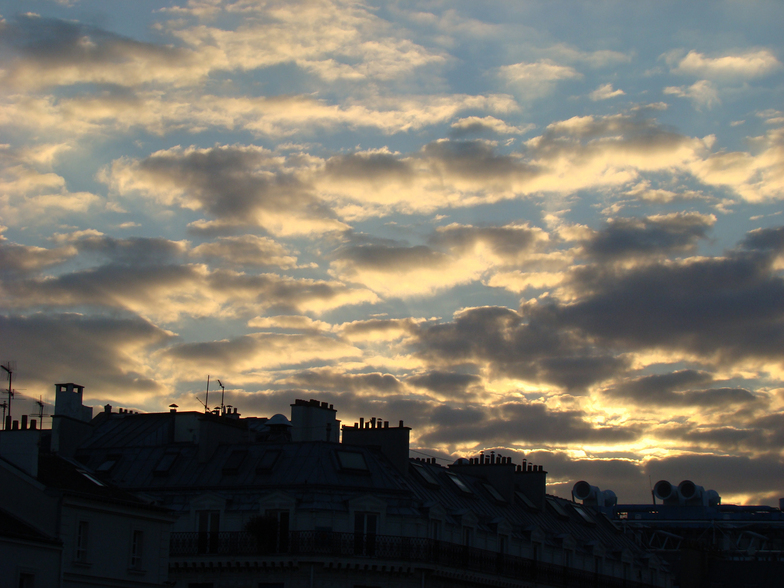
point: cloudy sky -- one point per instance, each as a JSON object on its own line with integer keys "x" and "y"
{"x": 549, "y": 229}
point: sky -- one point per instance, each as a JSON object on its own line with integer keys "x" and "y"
{"x": 551, "y": 230}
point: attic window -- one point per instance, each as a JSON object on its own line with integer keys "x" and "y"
{"x": 234, "y": 461}
{"x": 350, "y": 460}
{"x": 559, "y": 510}
{"x": 108, "y": 464}
{"x": 425, "y": 475}
{"x": 165, "y": 464}
{"x": 457, "y": 481}
{"x": 525, "y": 501}
{"x": 587, "y": 519}
{"x": 494, "y": 493}
{"x": 267, "y": 461}
{"x": 92, "y": 478}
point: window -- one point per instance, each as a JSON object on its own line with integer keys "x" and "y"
{"x": 457, "y": 481}
{"x": 82, "y": 541}
{"x": 267, "y": 462}
{"x": 494, "y": 493}
{"x": 209, "y": 527}
{"x": 234, "y": 461}
{"x": 165, "y": 464}
{"x": 350, "y": 460}
{"x": 26, "y": 580}
{"x": 468, "y": 536}
{"x": 365, "y": 527}
{"x": 137, "y": 549}
{"x": 435, "y": 529}
{"x": 503, "y": 541}
{"x": 425, "y": 475}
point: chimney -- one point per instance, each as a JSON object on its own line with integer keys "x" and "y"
{"x": 312, "y": 420}
{"x": 532, "y": 482}
{"x": 391, "y": 441}
{"x": 498, "y": 472}
{"x": 71, "y": 420}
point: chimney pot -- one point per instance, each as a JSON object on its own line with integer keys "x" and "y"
{"x": 386, "y": 424}
{"x": 15, "y": 426}
{"x": 24, "y": 422}
{"x": 361, "y": 422}
{"x": 401, "y": 424}
{"x": 33, "y": 424}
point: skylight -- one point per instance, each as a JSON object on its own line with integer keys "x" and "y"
{"x": 267, "y": 461}
{"x": 494, "y": 493}
{"x": 165, "y": 464}
{"x": 425, "y": 474}
{"x": 457, "y": 481}
{"x": 350, "y": 460}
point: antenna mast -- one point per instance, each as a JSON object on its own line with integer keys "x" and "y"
{"x": 10, "y": 369}
{"x": 223, "y": 391}
{"x": 207, "y": 400}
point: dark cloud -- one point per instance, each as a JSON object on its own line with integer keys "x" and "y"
{"x": 452, "y": 384}
{"x": 520, "y": 423}
{"x": 368, "y": 167}
{"x": 508, "y": 241}
{"x": 328, "y": 380}
{"x": 389, "y": 258}
{"x": 242, "y": 186}
{"x": 676, "y": 389}
{"x": 770, "y": 240}
{"x": 761, "y": 477}
{"x": 131, "y": 251}
{"x": 628, "y": 237}
{"x": 728, "y": 308}
{"x": 49, "y": 45}
{"x": 476, "y": 160}
{"x": 105, "y": 354}
{"x": 16, "y": 260}
{"x": 248, "y": 251}
{"x": 499, "y": 338}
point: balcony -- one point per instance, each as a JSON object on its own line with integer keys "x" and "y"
{"x": 409, "y": 550}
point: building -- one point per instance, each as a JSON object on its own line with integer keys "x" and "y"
{"x": 281, "y": 502}
{"x": 706, "y": 543}
{"x": 63, "y": 526}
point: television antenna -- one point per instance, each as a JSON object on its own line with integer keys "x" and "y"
{"x": 223, "y": 391}
{"x": 10, "y": 367}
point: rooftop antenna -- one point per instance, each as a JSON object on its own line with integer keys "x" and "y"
{"x": 223, "y": 391}
{"x": 40, "y": 413}
{"x": 207, "y": 400}
{"x": 9, "y": 367}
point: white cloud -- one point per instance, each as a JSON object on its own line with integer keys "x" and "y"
{"x": 741, "y": 66}
{"x": 701, "y": 93}
{"x": 604, "y": 92}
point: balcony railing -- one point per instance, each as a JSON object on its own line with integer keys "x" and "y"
{"x": 402, "y": 549}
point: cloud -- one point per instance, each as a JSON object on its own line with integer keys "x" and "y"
{"x": 457, "y": 254}
{"x": 110, "y": 356}
{"x": 25, "y": 259}
{"x": 701, "y": 93}
{"x": 246, "y": 250}
{"x": 724, "y": 309}
{"x": 240, "y": 186}
{"x": 604, "y": 92}
{"x": 29, "y": 194}
{"x": 676, "y": 389}
{"x": 537, "y": 78}
{"x": 740, "y": 66}
{"x": 167, "y": 292}
{"x": 51, "y": 52}
{"x": 500, "y": 342}
{"x": 256, "y": 352}
{"x": 652, "y": 236}
{"x": 521, "y": 424}
{"x": 487, "y": 124}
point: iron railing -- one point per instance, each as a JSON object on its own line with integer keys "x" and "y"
{"x": 387, "y": 547}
